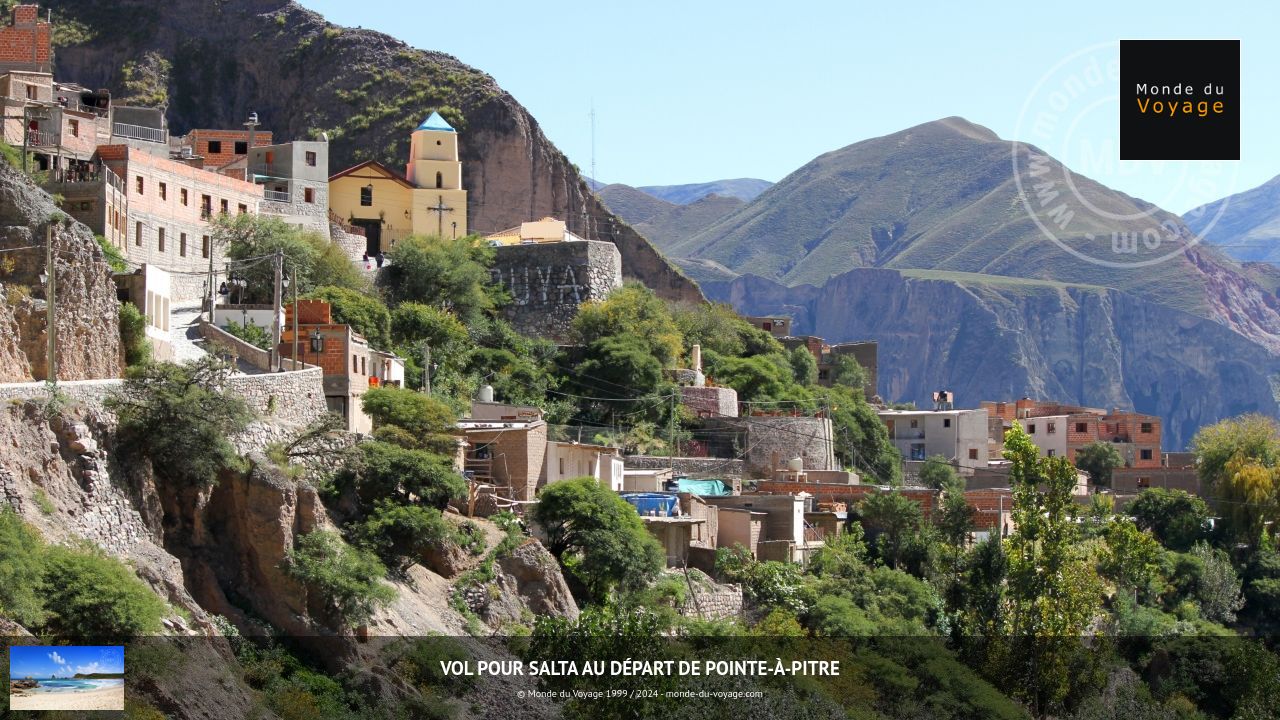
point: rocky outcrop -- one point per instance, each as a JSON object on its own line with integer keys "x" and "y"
{"x": 990, "y": 338}
{"x": 366, "y": 90}
{"x": 529, "y": 580}
{"x": 87, "y": 312}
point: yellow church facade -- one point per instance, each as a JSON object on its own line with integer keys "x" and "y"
{"x": 427, "y": 199}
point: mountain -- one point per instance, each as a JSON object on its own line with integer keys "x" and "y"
{"x": 989, "y": 338}
{"x": 214, "y": 63}
{"x": 744, "y": 189}
{"x": 943, "y": 196}
{"x": 1245, "y": 226}
{"x": 662, "y": 222}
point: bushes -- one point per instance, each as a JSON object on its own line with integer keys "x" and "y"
{"x": 72, "y": 591}
{"x": 92, "y": 595}
{"x": 133, "y": 335}
{"x": 391, "y": 471}
{"x": 365, "y": 314}
{"x": 351, "y": 578}
{"x": 180, "y": 412}
{"x": 422, "y": 416}
{"x": 395, "y": 532}
{"x": 254, "y": 334}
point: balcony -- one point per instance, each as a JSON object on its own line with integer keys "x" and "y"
{"x": 40, "y": 139}
{"x": 137, "y": 132}
{"x": 275, "y": 196}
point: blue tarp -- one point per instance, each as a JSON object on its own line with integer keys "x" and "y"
{"x": 706, "y": 488}
{"x": 659, "y": 504}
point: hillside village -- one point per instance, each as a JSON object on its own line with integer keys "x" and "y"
{"x": 349, "y": 368}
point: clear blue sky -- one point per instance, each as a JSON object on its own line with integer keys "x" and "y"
{"x": 756, "y": 89}
{"x": 41, "y": 661}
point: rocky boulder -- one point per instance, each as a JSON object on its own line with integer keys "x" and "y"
{"x": 527, "y": 582}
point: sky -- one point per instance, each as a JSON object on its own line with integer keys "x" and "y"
{"x": 697, "y": 91}
{"x": 40, "y": 661}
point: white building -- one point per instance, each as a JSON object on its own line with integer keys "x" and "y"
{"x": 958, "y": 435}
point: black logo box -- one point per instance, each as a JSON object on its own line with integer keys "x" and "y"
{"x": 1180, "y": 65}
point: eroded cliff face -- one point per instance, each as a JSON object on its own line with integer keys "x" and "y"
{"x": 1002, "y": 340}
{"x": 366, "y": 90}
{"x": 88, "y": 320}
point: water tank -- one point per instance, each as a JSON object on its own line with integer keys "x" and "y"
{"x": 795, "y": 464}
{"x": 485, "y": 394}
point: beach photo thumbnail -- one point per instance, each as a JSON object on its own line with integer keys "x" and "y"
{"x": 66, "y": 677}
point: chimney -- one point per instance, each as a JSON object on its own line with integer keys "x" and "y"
{"x": 696, "y": 358}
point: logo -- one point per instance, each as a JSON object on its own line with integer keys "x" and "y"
{"x": 1180, "y": 99}
{"x": 1069, "y": 147}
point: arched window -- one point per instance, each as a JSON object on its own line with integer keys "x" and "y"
{"x": 439, "y": 180}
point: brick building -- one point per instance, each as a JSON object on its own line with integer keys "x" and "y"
{"x": 507, "y": 448}
{"x": 219, "y": 148}
{"x": 295, "y": 181}
{"x": 169, "y": 208}
{"x": 25, "y": 41}
{"x": 1061, "y": 430}
{"x": 343, "y": 354}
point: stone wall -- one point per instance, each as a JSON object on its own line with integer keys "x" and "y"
{"x": 694, "y": 467}
{"x": 548, "y": 282}
{"x": 288, "y": 398}
{"x": 811, "y": 438}
{"x": 710, "y": 401}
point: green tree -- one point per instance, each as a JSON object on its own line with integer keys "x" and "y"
{"x": 718, "y": 327}
{"x": 91, "y": 595}
{"x": 1098, "y": 460}
{"x": 133, "y": 335}
{"x": 424, "y": 417}
{"x": 349, "y": 578}
{"x": 309, "y": 257}
{"x": 1132, "y": 557}
{"x": 937, "y": 473}
{"x": 399, "y": 532}
{"x": 447, "y": 274}
{"x": 1177, "y": 518}
{"x": 1217, "y": 586}
{"x": 1237, "y": 461}
{"x": 597, "y": 536}
{"x": 1053, "y": 590}
{"x": 363, "y": 312}
{"x": 405, "y": 475}
{"x": 167, "y": 411}
{"x": 758, "y": 378}
{"x": 847, "y": 372}
{"x": 897, "y": 534}
{"x": 804, "y": 367}
{"x": 955, "y": 517}
{"x": 861, "y": 438}
{"x": 632, "y": 310}
{"x": 21, "y": 571}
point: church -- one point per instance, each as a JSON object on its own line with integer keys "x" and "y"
{"x": 427, "y": 199}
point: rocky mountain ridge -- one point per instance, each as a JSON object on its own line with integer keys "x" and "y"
{"x": 990, "y": 338}
{"x": 1245, "y": 225}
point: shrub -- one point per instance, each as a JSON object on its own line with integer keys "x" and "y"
{"x": 396, "y": 532}
{"x": 390, "y": 471}
{"x": 133, "y": 335}
{"x": 172, "y": 412}
{"x": 252, "y": 333}
{"x": 21, "y": 571}
{"x": 350, "y": 577}
{"x": 364, "y": 313}
{"x": 420, "y": 415}
{"x": 91, "y": 595}
{"x": 112, "y": 254}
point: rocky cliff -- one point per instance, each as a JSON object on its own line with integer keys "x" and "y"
{"x": 213, "y": 63}
{"x": 991, "y": 338}
{"x": 87, "y": 312}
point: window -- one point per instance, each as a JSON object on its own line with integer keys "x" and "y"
{"x": 242, "y": 208}
{"x": 1052, "y": 452}
{"x": 137, "y": 234}
{"x": 204, "y": 246}
{"x": 164, "y": 191}
{"x": 915, "y": 424}
{"x": 1146, "y": 428}
{"x": 366, "y": 195}
{"x": 1082, "y": 427}
{"x": 363, "y": 370}
{"x": 973, "y": 453}
{"x": 206, "y": 206}
{"x": 946, "y": 422}
{"x": 1146, "y": 454}
{"x": 561, "y": 466}
{"x": 764, "y": 326}
{"x": 917, "y": 451}
{"x": 1031, "y": 429}
{"x": 137, "y": 184}
{"x": 1144, "y": 482}
{"x": 74, "y": 127}
{"x": 439, "y": 180}
{"x": 182, "y": 196}
{"x": 222, "y": 204}
{"x": 86, "y": 206}
{"x": 214, "y": 147}
{"x": 182, "y": 244}
{"x": 241, "y": 147}
{"x": 1052, "y": 427}
{"x": 31, "y": 92}
{"x": 824, "y": 374}
{"x": 160, "y": 239}
{"x": 309, "y": 195}
{"x": 311, "y": 158}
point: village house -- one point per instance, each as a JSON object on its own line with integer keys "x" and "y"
{"x": 427, "y": 199}
{"x": 506, "y": 448}
{"x": 770, "y": 526}
{"x": 217, "y": 149}
{"x": 349, "y": 364}
{"x": 147, "y": 288}
{"x": 565, "y": 460}
{"x": 960, "y": 436}
{"x": 1060, "y": 430}
{"x": 1177, "y": 471}
{"x": 827, "y": 355}
{"x": 778, "y": 327}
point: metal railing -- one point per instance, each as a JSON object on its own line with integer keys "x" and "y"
{"x": 275, "y": 196}
{"x": 137, "y": 132}
{"x": 40, "y": 138}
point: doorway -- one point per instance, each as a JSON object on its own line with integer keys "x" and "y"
{"x": 372, "y": 235}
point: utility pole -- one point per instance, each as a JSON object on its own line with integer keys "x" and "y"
{"x": 671, "y": 431}
{"x": 211, "y": 288}
{"x": 294, "y": 283}
{"x": 275, "y": 320}
{"x": 51, "y": 332}
{"x": 426, "y": 367}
